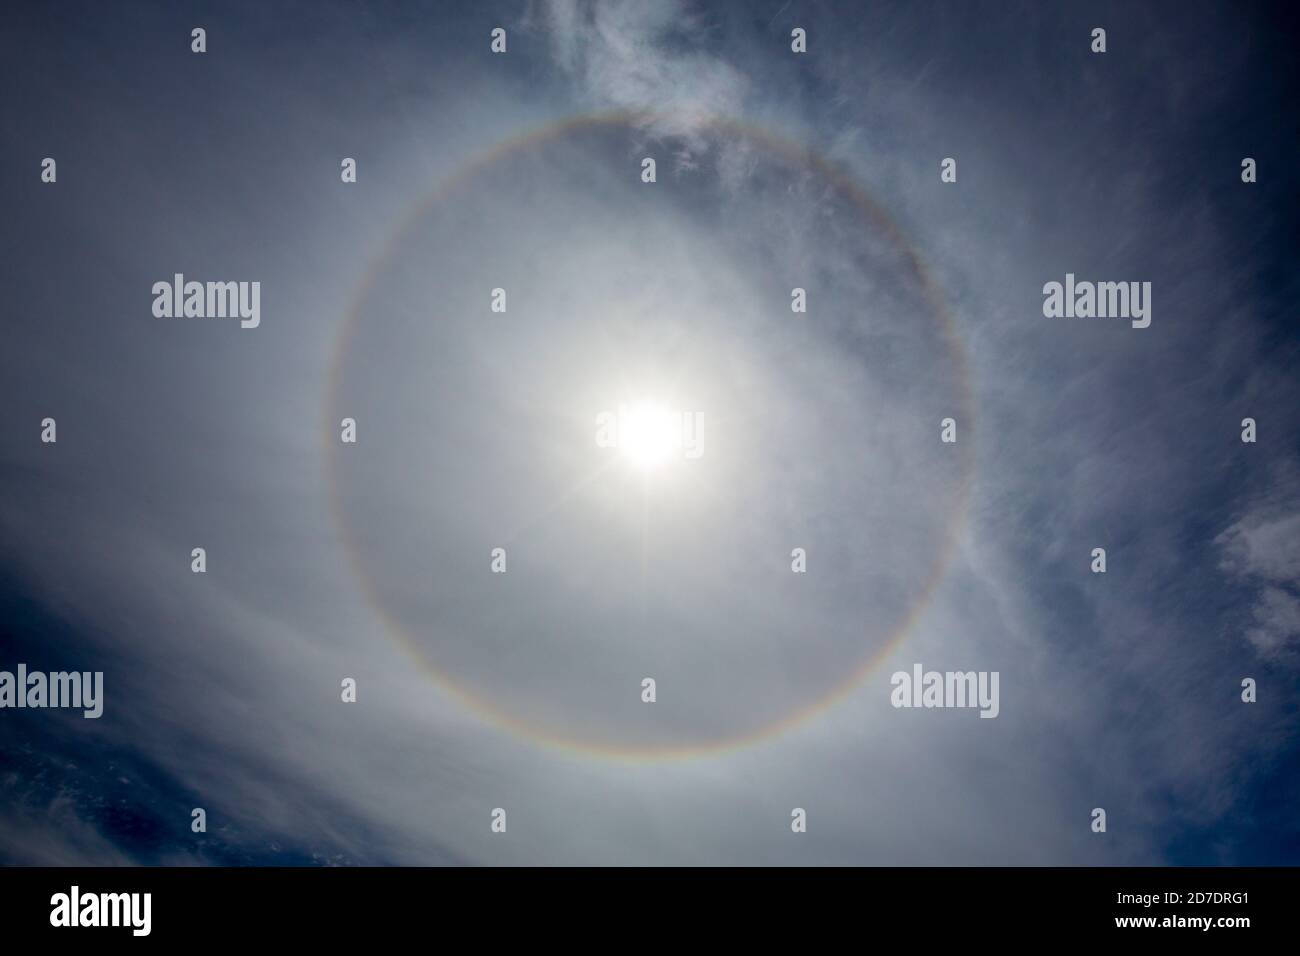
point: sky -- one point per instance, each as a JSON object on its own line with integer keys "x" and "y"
{"x": 820, "y": 430}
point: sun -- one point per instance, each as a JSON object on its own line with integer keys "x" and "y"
{"x": 647, "y": 436}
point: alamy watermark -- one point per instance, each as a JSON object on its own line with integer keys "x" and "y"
{"x": 649, "y": 434}
{"x": 38, "y": 689}
{"x": 1102, "y": 300}
{"x": 208, "y": 300}
{"x": 946, "y": 689}
{"x": 74, "y": 908}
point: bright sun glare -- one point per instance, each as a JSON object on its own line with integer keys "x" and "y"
{"x": 647, "y": 437}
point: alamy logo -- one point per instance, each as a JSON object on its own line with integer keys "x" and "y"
{"x": 103, "y": 909}
{"x": 946, "y": 689}
{"x": 57, "y": 689}
{"x": 1102, "y": 300}
{"x": 208, "y": 300}
{"x": 649, "y": 434}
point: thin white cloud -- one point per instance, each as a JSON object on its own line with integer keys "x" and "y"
{"x": 648, "y": 57}
{"x": 1262, "y": 549}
